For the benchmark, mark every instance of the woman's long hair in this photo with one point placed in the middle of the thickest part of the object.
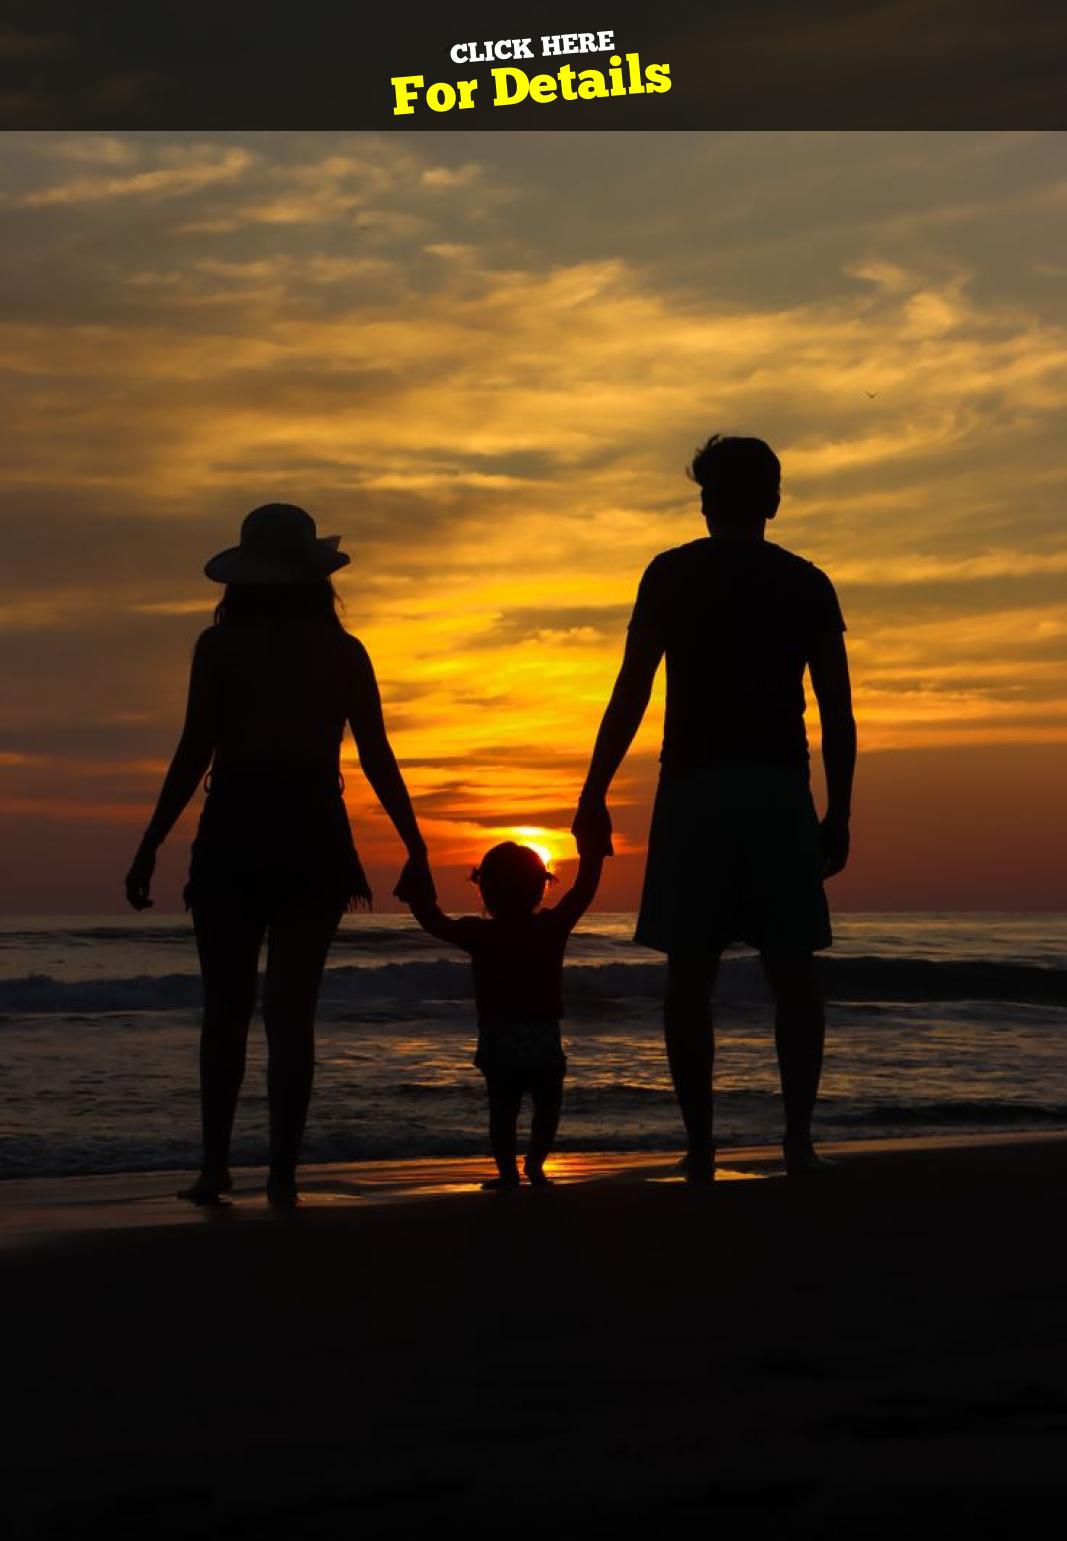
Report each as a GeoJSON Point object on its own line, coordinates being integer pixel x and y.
{"type": "Point", "coordinates": [249, 602]}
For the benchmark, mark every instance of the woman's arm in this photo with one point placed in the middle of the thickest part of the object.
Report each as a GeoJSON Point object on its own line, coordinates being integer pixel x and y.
{"type": "Point", "coordinates": [188, 767]}
{"type": "Point", "coordinates": [375, 752]}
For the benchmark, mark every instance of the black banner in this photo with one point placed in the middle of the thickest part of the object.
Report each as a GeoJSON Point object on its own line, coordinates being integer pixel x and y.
{"type": "Point", "coordinates": [730, 64]}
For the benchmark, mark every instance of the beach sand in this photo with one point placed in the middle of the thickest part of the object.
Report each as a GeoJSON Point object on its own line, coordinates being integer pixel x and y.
{"type": "Point", "coordinates": [874, 1351]}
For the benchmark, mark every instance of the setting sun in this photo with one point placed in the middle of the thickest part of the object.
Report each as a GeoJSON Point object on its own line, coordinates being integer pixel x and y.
{"type": "Point", "coordinates": [538, 840]}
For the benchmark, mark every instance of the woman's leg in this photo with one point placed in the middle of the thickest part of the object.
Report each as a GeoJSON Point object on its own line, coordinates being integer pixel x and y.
{"type": "Point", "coordinates": [504, 1100]}
{"type": "Point", "coordinates": [228, 939]}
{"type": "Point", "coordinates": [298, 940]}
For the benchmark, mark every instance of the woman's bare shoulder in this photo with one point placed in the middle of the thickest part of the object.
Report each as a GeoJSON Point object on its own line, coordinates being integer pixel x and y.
{"type": "Point", "coordinates": [219, 647]}
{"type": "Point", "coordinates": [354, 653]}
{"type": "Point", "coordinates": [209, 643]}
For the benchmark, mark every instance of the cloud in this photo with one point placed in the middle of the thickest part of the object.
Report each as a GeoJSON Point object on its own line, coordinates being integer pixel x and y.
{"type": "Point", "coordinates": [185, 170]}
{"type": "Point", "coordinates": [491, 391]}
{"type": "Point", "coordinates": [94, 149]}
{"type": "Point", "coordinates": [576, 624]}
{"type": "Point", "coordinates": [999, 565]}
{"type": "Point", "coordinates": [449, 178]}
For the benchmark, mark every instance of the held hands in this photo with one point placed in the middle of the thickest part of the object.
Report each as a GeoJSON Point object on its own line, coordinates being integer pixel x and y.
{"type": "Point", "coordinates": [592, 827]}
{"type": "Point", "coordinates": [415, 884]}
{"type": "Point", "coordinates": [835, 843]}
{"type": "Point", "coordinates": [139, 879]}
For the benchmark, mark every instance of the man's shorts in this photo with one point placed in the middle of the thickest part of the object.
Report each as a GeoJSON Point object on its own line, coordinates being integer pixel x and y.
{"type": "Point", "coordinates": [734, 855]}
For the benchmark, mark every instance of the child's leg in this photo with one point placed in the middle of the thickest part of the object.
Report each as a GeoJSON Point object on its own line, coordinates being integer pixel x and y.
{"type": "Point", "coordinates": [547, 1093]}
{"type": "Point", "coordinates": [504, 1100]}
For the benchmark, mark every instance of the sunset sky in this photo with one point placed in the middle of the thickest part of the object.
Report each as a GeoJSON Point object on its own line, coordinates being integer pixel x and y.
{"type": "Point", "coordinates": [484, 361]}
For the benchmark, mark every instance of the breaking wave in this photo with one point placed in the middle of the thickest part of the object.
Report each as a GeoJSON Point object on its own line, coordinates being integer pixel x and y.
{"type": "Point", "coordinates": [435, 980]}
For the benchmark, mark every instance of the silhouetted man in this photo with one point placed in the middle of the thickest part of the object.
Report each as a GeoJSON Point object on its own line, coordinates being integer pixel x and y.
{"type": "Point", "coordinates": [736, 851]}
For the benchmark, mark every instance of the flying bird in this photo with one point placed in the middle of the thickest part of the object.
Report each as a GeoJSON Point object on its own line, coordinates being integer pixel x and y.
{"type": "Point", "coordinates": [870, 395]}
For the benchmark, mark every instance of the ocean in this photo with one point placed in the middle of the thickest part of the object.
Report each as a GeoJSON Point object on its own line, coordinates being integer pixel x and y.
{"type": "Point", "coordinates": [937, 1024]}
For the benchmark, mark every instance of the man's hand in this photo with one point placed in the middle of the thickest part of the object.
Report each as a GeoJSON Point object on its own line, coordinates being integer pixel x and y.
{"type": "Point", "coordinates": [592, 827]}
{"type": "Point", "coordinates": [139, 879]}
{"type": "Point", "coordinates": [835, 843]}
{"type": "Point", "coordinates": [415, 884]}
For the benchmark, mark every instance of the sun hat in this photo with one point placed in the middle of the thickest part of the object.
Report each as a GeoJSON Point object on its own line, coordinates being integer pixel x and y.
{"type": "Point", "coordinates": [279, 544]}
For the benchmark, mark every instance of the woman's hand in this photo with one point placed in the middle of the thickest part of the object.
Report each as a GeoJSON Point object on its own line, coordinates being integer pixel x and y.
{"type": "Point", "coordinates": [415, 884]}
{"type": "Point", "coordinates": [139, 878]}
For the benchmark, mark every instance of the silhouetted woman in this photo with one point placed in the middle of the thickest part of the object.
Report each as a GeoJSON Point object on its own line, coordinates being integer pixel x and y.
{"type": "Point", "coordinates": [272, 685]}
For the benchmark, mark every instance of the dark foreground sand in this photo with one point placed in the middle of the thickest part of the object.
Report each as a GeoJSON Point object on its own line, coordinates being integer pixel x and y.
{"type": "Point", "coordinates": [879, 1351]}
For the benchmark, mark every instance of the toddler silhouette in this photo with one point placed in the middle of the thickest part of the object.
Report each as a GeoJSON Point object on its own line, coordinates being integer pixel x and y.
{"type": "Point", "coordinates": [516, 953]}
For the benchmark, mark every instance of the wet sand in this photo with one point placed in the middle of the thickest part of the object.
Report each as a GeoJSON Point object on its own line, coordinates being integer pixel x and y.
{"type": "Point", "coordinates": [874, 1351]}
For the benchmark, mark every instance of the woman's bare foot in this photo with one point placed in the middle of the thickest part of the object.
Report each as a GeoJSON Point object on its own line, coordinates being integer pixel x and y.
{"type": "Point", "coordinates": [535, 1174]}
{"type": "Point", "coordinates": [208, 1187]}
{"type": "Point", "coordinates": [281, 1192]}
{"type": "Point", "coordinates": [500, 1184]}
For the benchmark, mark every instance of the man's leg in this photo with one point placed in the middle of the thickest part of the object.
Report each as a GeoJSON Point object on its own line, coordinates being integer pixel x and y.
{"type": "Point", "coordinates": [690, 1039]}
{"type": "Point", "coordinates": [799, 1031]}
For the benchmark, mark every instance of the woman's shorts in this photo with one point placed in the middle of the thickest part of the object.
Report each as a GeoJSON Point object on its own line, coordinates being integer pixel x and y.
{"type": "Point", "coordinates": [734, 855]}
{"type": "Point", "coordinates": [266, 842]}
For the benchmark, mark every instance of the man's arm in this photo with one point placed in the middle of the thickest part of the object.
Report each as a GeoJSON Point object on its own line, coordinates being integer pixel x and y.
{"type": "Point", "coordinates": [828, 663]}
{"type": "Point", "coordinates": [621, 720]}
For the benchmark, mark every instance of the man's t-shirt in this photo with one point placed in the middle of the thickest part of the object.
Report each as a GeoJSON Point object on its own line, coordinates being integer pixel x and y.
{"type": "Point", "coordinates": [737, 620]}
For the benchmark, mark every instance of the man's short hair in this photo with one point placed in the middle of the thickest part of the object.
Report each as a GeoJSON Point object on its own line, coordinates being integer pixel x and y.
{"type": "Point", "coordinates": [736, 469]}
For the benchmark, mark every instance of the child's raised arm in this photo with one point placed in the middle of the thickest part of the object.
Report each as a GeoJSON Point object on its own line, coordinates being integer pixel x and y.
{"type": "Point", "coordinates": [577, 899]}
{"type": "Point", "coordinates": [415, 889]}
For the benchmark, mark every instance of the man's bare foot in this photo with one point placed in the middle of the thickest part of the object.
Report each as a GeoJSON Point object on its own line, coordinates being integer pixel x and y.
{"type": "Point", "coordinates": [535, 1174]}
{"type": "Point", "coordinates": [801, 1158]}
{"type": "Point", "coordinates": [208, 1187]}
{"type": "Point", "coordinates": [281, 1192]}
{"type": "Point", "coordinates": [502, 1183]}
